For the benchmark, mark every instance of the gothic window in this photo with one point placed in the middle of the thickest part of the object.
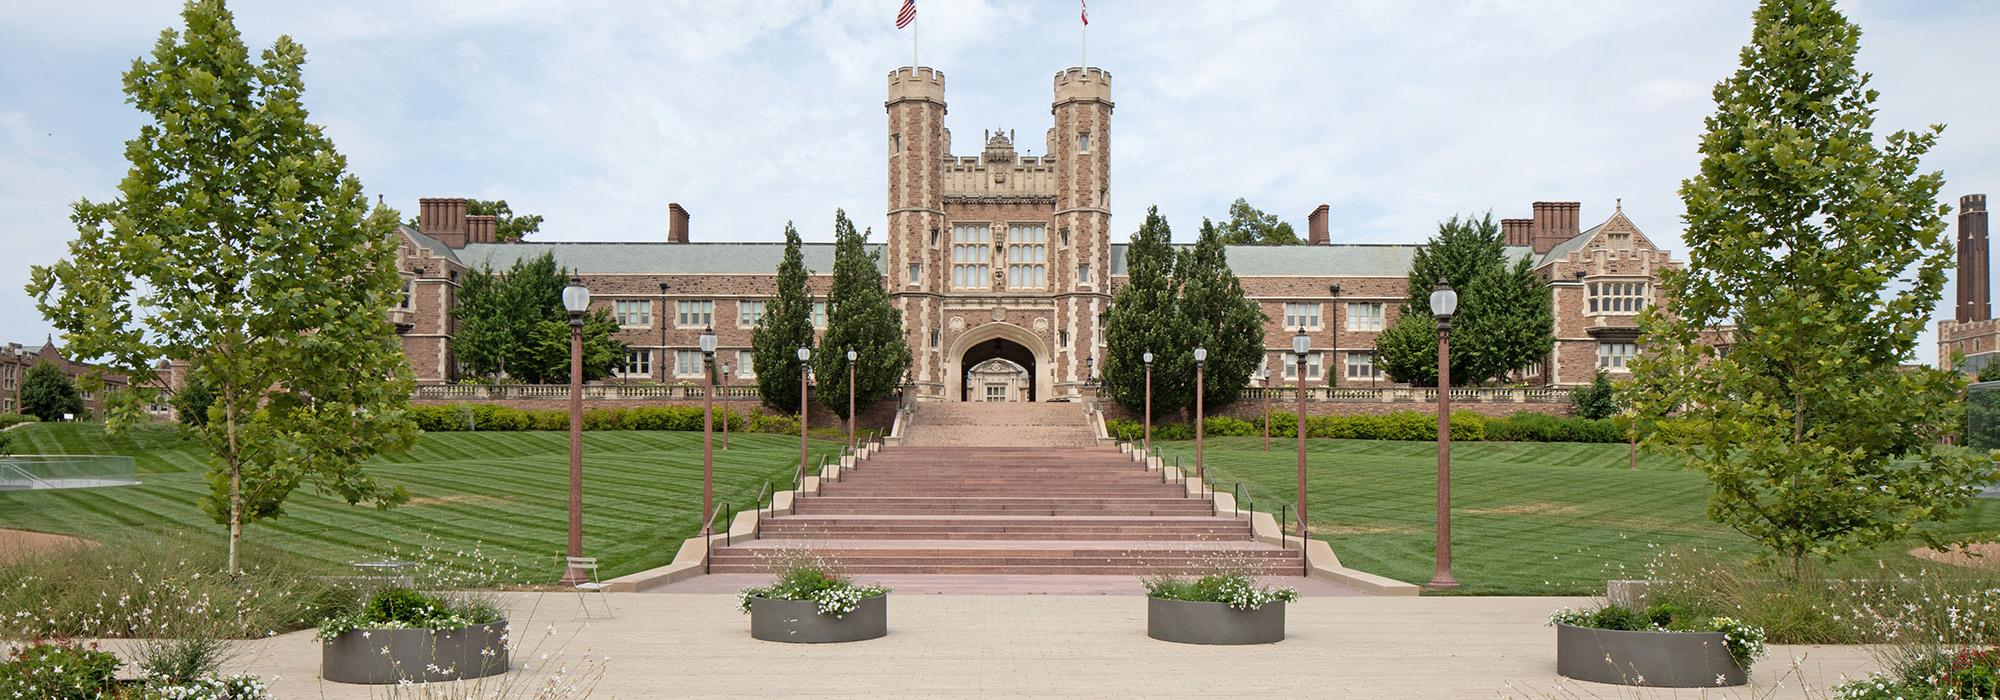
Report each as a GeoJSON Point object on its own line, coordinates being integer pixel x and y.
{"type": "Point", "coordinates": [1302, 315]}
{"type": "Point", "coordinates": [1613, 356]}
{"type": "Point", "coordinates": [1083, 273]}
{"type": "Point", "coordinates": [749, 312]}
{"type": "Point", "coordinates": [746, 364]}
{"type": "Point", "coordinates": [895, 143]}
{"type": "Point", "coordinates": [1617, 297]}
{"type": "Point", "coordinates": [1083, 142]}
{"type": "Point", "coordinates": [1364, 316]}
{"type": "Point", "coordinates": [916, 273]}
{"type": "Point", "coordinates": [1027, 256]}
{"type": "Point", "coordinates": [696, 314]}
{"type": "Point", "coordinates": [687, 363]}
{"type": "Point", "coordinates": [633, 313]}
{"type": "Point", "coordinates": [971, 259]}
{"type": "Point", "coordinates": [1361, 365]}
{"type": "Point", "coordinates": [638, 363]}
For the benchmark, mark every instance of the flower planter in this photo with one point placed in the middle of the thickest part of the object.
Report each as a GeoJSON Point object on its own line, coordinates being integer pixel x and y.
{"type": "Point", "coordinates": [1189, 622]}
{"type": "Point", "coordinates": [415, 655]}
{"type": "Point", "coordinates": [799, 621]}
{"type": "Point", "coordinates": [1661, 659]}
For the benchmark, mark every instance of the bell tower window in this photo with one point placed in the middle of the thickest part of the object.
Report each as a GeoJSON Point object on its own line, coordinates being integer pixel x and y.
{"type": "Point", "coordinates": [1083, 142]}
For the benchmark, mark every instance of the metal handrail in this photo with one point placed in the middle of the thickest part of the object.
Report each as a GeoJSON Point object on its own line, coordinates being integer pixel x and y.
{"type": "Point", "coordinates": [728, 516]}
{"type": "Point", "coordinates": [763, 491]}
{"type": "Point", "coordinates": [708, 548]}
{"type": "Point", "coordinates": [1305, 551]}
{"type": "Point", "coordinates": [1236, 499]}
{"type": "Point", "coordinates": [1284, 521]}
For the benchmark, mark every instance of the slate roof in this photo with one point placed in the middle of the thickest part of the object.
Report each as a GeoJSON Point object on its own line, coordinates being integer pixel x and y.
{"type": "Point", "coordinates": [719, 258]}
{"type": "Point", "coordinates": [437, 247]}
{"type": "Point", "coordinates": [1348, 260]}
{"type": "Point", "coordinates": [1565, 247]}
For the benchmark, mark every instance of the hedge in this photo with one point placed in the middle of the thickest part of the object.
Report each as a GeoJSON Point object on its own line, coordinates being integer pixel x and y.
{"type": "Point", "coordinates": [1399, 425]}
{"type": "Point", "coordinates": [483, 417]}
{"type": "Point", "coordinates": [8, 420]}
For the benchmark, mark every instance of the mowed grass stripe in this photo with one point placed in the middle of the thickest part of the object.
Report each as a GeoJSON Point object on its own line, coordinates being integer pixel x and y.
{"type": "Point", "coordinates": [504, 492]}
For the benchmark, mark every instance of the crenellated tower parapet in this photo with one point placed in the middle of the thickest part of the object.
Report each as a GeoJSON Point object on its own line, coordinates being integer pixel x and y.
{"type": "Point", "coordinates": [1091, 84]}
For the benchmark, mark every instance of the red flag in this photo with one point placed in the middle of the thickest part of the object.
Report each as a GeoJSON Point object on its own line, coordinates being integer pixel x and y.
{"type": "Point", "coordinates": [1086, 11]}
{"type": "Point", "coordinates": [907, 15]}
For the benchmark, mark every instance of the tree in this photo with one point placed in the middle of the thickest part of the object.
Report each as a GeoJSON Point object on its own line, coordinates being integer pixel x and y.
{"type": "Point", "coordinates": [238, 244]}
{"type": "Point", "coordinates": [515, 323]}
{"type": "Point", "coordinates": [1505, 319]}
{"type": "Point", "coordinates": [191, 403]}
{"type": "Point", "coordinates": [1824, 247]}
{"type": "Point", "coordinates": [785, 327]}
{"type": "Point", "coordinates": [507, 227]}
{"type": "Point", "coordinates": [1145, 317]}
{"type": "Point", "coordinates": [47, 393]}
{"type": "Point", "coordinates": [1221, 317]}
{"type": "Point", "coordinates": [1247, 225]}
{"type": "Point", "coordinates": [859, 317]}
{"type": "Point", "coordinates": [1599, 400]}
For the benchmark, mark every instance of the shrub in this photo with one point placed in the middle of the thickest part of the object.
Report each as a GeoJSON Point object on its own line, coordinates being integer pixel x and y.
{"type": "Point", "coordinates": [773, 424]}
{"type": "Point", "coordinates": [1745, 642]}
{"type": "Point", "coordinates": [59, 670]}
{"type": "Point", "coordinates": [1225, 426]}
{"type": "Point", "coordinates": [8, 420]}
{"type": "Point", "coordinates": [1599, 400]}
{"type": "Point", "coordinates": [402, 608]}
{"type": "Point", "coordinates": [802, 576]}
{"type": "Point", "coordinates": [1239, 591]}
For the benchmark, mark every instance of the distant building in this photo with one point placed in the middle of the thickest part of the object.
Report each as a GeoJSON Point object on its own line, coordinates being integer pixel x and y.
{"type": "Point", "coordinates": [1971, 332]}
{"type": "Point", "coordinates": [1006, 255]}
{"type": "Point", "coordinates": [16, 359]}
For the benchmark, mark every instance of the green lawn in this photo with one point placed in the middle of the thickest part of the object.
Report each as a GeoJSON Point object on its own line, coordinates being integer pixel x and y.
{"type": "Point", "coordinates": [507, 492]}
{"type": "Point", "coordinates": [1528, 518]}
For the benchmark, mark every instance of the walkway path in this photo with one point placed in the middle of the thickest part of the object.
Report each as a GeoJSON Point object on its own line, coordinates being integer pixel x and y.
{"type": "Point", "coordinates": [1059, 646]}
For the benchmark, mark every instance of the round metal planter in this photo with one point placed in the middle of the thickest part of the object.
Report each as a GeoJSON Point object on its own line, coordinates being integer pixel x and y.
{"type": "Point", "coordinates": [415, 655]}
{"type": "Point", "coordinates": [1189, 622]}
{"type": "Point", "coordinates": [799, 621]}
{"type": "Point", "coordinates": [1661, 659]}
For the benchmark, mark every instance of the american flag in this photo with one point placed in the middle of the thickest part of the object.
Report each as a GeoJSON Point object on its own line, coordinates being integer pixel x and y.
{"type": "Point", "coordinates": [906, 15]}
{"type": "Point", "coordinates": [1086, 11]}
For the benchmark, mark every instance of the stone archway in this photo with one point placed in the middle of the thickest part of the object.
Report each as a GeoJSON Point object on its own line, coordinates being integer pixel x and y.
{"type": "Point", "coordinates": [996, 340]}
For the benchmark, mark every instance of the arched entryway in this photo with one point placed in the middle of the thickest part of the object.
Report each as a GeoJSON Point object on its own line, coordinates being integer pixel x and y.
{"type": "Point", "coordinates": [996, 340]}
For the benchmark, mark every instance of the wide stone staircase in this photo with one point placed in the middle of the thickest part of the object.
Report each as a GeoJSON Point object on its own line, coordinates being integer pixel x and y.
{"type": "Point", "coordinates": [1031, 494]}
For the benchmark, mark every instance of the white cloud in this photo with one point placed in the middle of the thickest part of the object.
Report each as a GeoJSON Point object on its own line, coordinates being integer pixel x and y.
{"type": "Point", "coordinates": [598, 113]}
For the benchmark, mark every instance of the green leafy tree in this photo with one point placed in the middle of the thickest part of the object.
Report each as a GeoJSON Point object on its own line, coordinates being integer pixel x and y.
{"type": "Point", "coordinates": [859, 318]}
{"type": "Point", "coordinates": [1145, 317]}
{"type": "Point", "coordinates": [505, 320]}
{"type": "Point", "coordinates": [508, 227]}
{"type": "Point", "coordinates": [1599, 400]}
{"type": "Point", "coordinates": [1248, 225]}
{"type": "Point", "coordinates": [1824, 247]}
{"type": "Point", "coordinates": [1990, 373]}
{"type": "Point", "coordinates": [1505, 319]}
{"type": "Point", "coordinates": [192, 402]}
{"type": "Point", "coordinates": [47, 393]}
{"type": "Point", "coordinates": [238, 243]}
{"type": "Point", "coordinates": [785, 327]}
{"type": "Point", "coordinates": [1223, 319]}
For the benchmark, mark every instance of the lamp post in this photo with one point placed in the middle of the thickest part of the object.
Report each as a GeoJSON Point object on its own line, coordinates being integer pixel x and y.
{"type": "Point", "coordinates": [707, 424]}
{"type": "Point", "coordinates": [850, 400]}
{"type": "Point", "coordinates": [1444, 302]}
{"type": "Point", "coordinates": [1301, 344]}
{"type": "Point", "coordinates": [576, 300]}
{"type": "Point", "coordinates": [726, 369]}
{"type": "Point", "coordinates": [1264, 380]}
{"type": "Point", "coordinates": [805, 354]}
{"type": "Point", "coordinates": [1148, 357]}
{"type": "Point", "coordinates": [1200, 361]}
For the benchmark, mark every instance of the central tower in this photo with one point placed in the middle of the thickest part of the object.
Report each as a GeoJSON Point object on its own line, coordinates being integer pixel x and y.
{"type": "Point", "coordinates": [1000, 255]}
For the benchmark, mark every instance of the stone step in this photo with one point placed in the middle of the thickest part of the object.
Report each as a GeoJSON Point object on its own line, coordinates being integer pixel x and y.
{"type": "Point", "coordinates": [1081, 535]}
{"type": "Point", "coordinates": [1020, 509]}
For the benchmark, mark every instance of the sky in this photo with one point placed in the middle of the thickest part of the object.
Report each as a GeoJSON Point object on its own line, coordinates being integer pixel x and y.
{"type": "Point", "coordinates": [597, 113]}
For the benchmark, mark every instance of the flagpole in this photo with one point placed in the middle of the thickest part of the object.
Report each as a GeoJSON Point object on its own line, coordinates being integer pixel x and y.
{"type": "Point", "coordinates": [913, 43]}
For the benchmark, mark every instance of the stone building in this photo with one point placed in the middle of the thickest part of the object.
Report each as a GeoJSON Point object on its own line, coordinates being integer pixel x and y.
{"type": "Point", "coordinates": [16, 359]}
{"type": "Point", "coordinates": [1002, 255]}
{"type": "Point", "coordinates": [1971, 332]}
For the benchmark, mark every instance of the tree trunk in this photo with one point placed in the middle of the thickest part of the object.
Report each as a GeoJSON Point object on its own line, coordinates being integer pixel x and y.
{"type": "Point", "coordinates": [235, 478]}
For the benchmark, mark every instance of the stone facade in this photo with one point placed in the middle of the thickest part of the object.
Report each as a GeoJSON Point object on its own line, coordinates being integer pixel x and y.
{"type": "Point", "coordinates": [1002, 255]}
{"type": "Point", "coordinates": [16, 359]}
{"type": "Point", "coordinates": [1970, 338]}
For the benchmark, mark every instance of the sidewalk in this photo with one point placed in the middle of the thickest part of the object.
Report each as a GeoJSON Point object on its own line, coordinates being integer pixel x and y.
{"type": "Point", "coordinates": [697, 645]}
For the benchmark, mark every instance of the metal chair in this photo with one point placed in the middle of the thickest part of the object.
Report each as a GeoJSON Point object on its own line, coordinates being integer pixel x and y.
{"type": "Point", "coordinates": [588, 565]}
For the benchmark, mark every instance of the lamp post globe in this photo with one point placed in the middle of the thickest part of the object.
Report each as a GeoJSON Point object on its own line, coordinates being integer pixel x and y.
{"type": "Point", "coordinates": [1444, 304]}
{"type": "Point", "coordinates": [576, 301]}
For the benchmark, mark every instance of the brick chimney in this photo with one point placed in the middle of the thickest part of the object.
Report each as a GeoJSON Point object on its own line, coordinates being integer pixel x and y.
{"type": "Point", "coordinates": [1975, 279]}
{"type": "Point", "coordinates": [1517, 232]}
{"type": "Point", "coordinates": [480, 228]}
{"type": "Point", "coordinates": [442, 218]}
{"type": "Point", "coordinates": [677, 223]}
{"type": "Point", "coordinates": [1316, 233]}
{"type": "Point", "coordinates": [1554, 223]}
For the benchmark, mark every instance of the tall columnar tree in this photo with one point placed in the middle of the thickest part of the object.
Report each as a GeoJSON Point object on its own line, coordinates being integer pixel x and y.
{"type": "Point", "coordinates": [785, 327]}
{"type": "Point", "coordinates": [237, 243]}
{"type": "Point", "coordinates": [1145, 317]}
{"type": "Point", "coordinates": [859, 318]}
{"type": "Point", "coordinates": [1505, 319]}
{"type": "Point", "coordinates": [1824, 247]}
{"type": "Point", "coordinates": [47, 393]}
{"type": "Point", "coordinates": [514, 322]}
{"type": "Point", "coordinates": [1248, 225]}
{"type": "Point", "coordinates": [1222, 318]}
